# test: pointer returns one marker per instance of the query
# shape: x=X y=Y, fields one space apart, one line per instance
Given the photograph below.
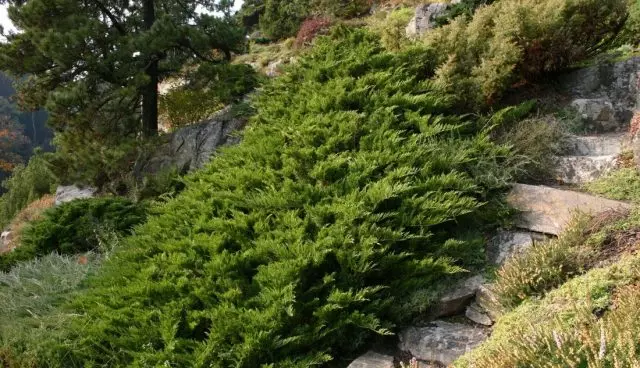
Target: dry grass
x=32 y=212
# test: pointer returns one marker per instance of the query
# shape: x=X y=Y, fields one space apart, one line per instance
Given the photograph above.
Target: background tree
x=13 y=143
x=96 y=66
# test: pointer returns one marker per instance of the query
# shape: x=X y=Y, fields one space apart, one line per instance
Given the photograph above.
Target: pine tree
x=96 y=64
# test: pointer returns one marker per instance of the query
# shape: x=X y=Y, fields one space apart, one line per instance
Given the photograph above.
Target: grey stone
x=5 y=241
x=191 y=147
x=616 y=82
x=424 y=18
x=70 y=192
x=506 y=244
x=488 y=302
x=441 y=342
x=478 y=315
x=598 y=145
x=583 y=169
x=549 y=210
x=456 y=300
x=598 y=114
x=274 y=68
x=371 y=359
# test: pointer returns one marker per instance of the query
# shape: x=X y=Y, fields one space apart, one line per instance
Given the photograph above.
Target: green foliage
x=622 y=184
x=630 y=33
x=536 y=142
x=464 y=8
x=350 y=198
x=589 y=242
x=25 y=185
x=391 y=27
x=514 y=41
x=282 y=18
x=29 y=296
x=75 y=227
x=206 y=90
x=344 y=8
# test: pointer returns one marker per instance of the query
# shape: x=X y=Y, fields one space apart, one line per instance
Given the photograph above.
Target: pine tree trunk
x=150 y=91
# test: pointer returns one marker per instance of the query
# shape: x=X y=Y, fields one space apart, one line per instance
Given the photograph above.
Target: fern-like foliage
x=337 y=218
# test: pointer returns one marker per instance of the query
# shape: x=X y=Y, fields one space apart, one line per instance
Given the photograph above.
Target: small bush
x=344 y=8
x=622 y=184
x=310 y=29
x=282 y=18
x=630 y=33
x=74 y=227
x=25 y=185
x=513 y=41
x=391 y=27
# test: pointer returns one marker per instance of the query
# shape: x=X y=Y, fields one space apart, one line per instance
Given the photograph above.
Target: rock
x=372 y=360
x=274 y=68
x=548 y=210
x=191 y=147
x=424 y=18
x=488 y=302
x=598 y=114
x=456 y=300
x=441 y=342
x=506 y=244
x=5 y=242
x=583 y=169
x=599 y=145
x=478 y=315
x=69 y=193
x=616 y=83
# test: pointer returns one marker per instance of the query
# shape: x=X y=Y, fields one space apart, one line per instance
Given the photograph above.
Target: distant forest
x=33 y=131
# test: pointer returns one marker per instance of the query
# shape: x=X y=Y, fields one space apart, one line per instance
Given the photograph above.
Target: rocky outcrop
x=506 y=244
x=441 y=342
x=549 y=210
x=424 y=18
x=607 y=92
x=371 y=359
x=191 y=147
x=478 y=315
x=457 y=298
x=70 y=192
x=5 y=241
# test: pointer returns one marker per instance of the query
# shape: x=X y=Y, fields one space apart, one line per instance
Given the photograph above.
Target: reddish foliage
x=310 y=29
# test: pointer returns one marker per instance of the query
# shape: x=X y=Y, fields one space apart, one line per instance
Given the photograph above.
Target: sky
x=6 y=23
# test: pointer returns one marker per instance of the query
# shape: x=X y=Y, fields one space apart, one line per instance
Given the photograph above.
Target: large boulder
x=487 y=301
x=457 y=298
x=441 y=342
x=549 y=210
x=371 y=359
x=191 y=147
x=69 y=193
x=607 y=91
x=424 y=18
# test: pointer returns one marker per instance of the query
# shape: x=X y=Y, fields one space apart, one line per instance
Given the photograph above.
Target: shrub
x=29 y=296
x=310 y=29
x=630 y=33
x=344 y=8
x=347 y=202
x=25 y=185
x=590 y=321
x=512 y=41
x=622 y=184
x=74 y=227
x=205 y=91
x=391 y=27
x=282 y=18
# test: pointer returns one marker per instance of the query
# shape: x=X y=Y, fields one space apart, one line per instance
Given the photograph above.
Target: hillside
x=333 y=183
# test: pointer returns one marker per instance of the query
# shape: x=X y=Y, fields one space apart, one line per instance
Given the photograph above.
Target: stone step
x=583 y=169
x=441 y=342
x=549 y=210
x=371 y=359
x=597 y=145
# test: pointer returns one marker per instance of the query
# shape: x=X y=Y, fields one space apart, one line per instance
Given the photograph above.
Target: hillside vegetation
x=367 y=180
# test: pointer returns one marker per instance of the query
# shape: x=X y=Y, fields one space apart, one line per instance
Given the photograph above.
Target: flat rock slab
x=371 y=359
x=583 y=169
x=506 y=244
x=458 y=297
x=596 y=145
x=549 y=210
x=441 y=342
